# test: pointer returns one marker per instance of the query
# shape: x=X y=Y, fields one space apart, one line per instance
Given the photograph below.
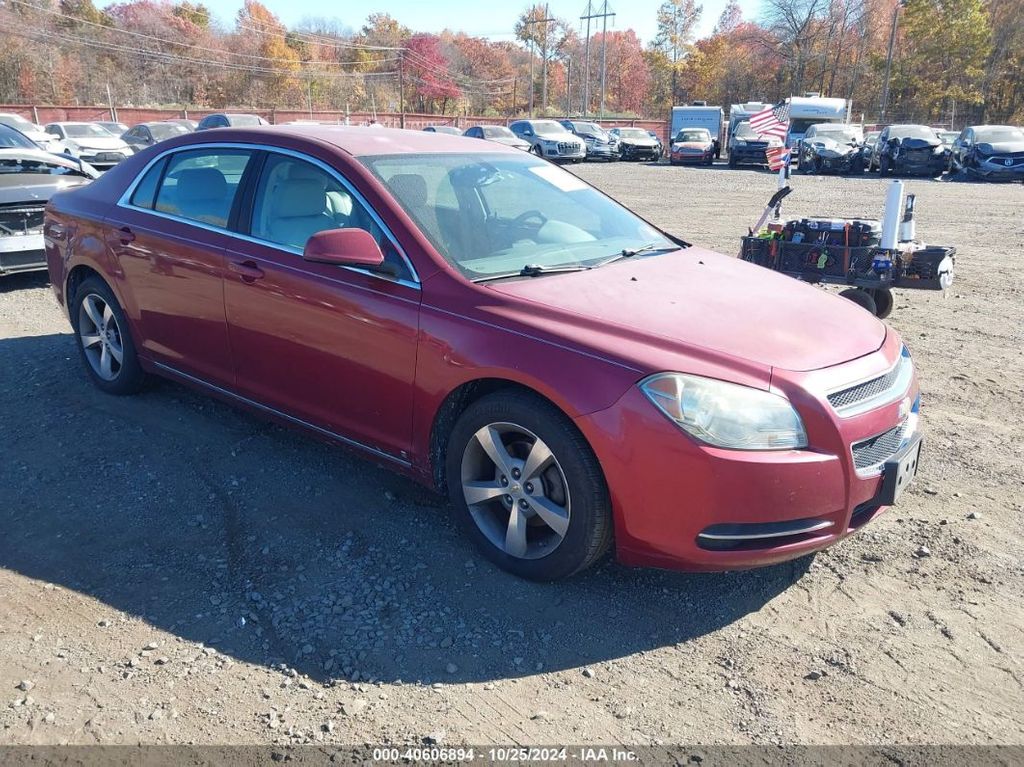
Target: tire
x=571 y=486
x=732 y=162
x=101 y=333
x=884 y=301
x=535 y=149
x=862 y=298
x=883 y=166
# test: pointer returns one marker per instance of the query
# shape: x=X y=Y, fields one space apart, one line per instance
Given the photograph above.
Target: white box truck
x=699 y=115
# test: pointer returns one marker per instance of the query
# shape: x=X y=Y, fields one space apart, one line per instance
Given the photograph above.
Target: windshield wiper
x=630 y=252
x=534 y=270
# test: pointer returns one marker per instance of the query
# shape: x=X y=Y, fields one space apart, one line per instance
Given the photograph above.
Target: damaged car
x=28 y=178
x=992 y=152
x=911 y=150
x=831 y=148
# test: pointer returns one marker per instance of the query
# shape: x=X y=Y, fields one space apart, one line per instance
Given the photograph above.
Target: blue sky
x=477 y=17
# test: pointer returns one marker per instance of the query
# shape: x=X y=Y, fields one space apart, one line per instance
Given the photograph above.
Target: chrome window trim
x=892 y=394
x=281 y=414
x=124 y=201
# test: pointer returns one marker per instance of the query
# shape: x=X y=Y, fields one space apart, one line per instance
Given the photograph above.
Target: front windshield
x=992 y=135
x=592 y=128
x=12 y=139
x=161 y=131
x=85 y=130
x=744 y=131
x=498 y=131
x=912 y=131
x=16 y=121
x=633 y=133
x=841 y=133
x=693 y=135
x=548 y=128
x=492 y=215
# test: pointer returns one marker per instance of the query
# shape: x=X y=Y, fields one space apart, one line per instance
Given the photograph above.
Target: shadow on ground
x=274 y=548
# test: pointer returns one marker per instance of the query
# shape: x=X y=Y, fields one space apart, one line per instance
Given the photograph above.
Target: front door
x=332 y=346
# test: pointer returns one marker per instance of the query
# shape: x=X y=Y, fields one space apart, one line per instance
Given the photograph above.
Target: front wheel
x=527 y=488
x=104 y=339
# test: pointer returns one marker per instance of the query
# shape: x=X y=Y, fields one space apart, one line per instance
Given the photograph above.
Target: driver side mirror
x=344 y=247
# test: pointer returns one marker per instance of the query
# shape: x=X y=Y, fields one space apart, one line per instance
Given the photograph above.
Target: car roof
x=354 y=140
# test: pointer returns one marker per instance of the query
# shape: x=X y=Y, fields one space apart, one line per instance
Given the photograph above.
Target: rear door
x=332 y=346
x=168 y=234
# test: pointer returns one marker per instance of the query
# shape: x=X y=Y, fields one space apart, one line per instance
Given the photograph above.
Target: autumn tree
x=677 y=22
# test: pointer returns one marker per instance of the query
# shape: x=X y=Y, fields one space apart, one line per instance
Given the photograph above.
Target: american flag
x=777 y=156
x=773 y=121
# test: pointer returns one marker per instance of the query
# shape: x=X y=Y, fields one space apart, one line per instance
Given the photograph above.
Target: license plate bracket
x=899 y=471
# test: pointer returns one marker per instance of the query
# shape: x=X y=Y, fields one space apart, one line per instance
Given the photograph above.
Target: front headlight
x=725 y=414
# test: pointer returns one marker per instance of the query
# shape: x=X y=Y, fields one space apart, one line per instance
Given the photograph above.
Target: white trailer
x=697 y=115
x=805 y=111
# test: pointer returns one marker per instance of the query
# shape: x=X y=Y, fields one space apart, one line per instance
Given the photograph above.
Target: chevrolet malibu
x=572 y=377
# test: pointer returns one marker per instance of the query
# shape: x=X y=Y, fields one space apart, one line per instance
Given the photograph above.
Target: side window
x=296 y=199
x=201 y=184
x=145 y=192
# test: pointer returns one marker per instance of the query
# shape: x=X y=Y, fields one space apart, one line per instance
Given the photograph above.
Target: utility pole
x=568 y=87
x=605 y=13
x=401 y=89
x=544 y=51
x=588 y=14
x=888 y=60
x=515 y=84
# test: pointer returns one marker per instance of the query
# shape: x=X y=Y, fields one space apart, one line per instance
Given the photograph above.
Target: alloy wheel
x=515 y=490
x=100 y=336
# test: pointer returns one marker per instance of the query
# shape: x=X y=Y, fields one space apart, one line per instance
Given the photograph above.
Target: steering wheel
x=525 y=216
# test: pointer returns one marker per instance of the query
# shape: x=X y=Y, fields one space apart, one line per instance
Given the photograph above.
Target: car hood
x=703 y=145
x=654 y=309
x=1001 y=147
x=916 y=143
x=831 y=145
x=638 y=141
x=99 y=142
x=34 y=187
x=516 y=142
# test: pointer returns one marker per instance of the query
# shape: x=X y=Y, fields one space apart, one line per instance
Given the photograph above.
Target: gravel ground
x=173 y=570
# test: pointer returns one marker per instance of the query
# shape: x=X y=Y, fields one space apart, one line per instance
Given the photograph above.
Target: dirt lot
x=173 y=570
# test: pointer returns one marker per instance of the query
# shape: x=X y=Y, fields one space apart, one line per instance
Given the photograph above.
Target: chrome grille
x=875 y=451
x=566 y=147
x=866 y=390
x=865 y=395
x=21 y=219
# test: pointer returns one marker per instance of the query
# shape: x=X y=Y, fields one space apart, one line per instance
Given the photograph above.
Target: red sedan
x=493 y=326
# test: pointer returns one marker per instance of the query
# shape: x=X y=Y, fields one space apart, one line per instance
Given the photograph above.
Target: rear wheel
x=104 y=340
x=527 y=488
x=883 y=166
x=862 y=298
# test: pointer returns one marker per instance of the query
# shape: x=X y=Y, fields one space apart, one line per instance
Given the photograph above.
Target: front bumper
x=630 y=152
x=696 y=157
x=996 y=169
x=669 y=493
x=749 y=155
x=933 y=166
x=22 y=253
x=102 y=160
x=602 y=152
x=567 y=152
x=843 y=164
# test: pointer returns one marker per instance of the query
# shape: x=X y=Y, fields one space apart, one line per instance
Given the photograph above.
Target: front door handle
x=247 y=270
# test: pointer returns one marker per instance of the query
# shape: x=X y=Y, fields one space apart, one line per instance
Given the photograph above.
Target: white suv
x=551 y=140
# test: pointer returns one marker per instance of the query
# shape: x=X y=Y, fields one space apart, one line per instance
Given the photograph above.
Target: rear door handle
x=247 y=270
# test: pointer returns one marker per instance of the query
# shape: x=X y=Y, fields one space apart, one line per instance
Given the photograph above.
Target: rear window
x=200 y=184
x=145 y=192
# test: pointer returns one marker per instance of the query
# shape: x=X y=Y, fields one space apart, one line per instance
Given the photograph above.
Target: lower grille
x=874 y=452
x=21 y=219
